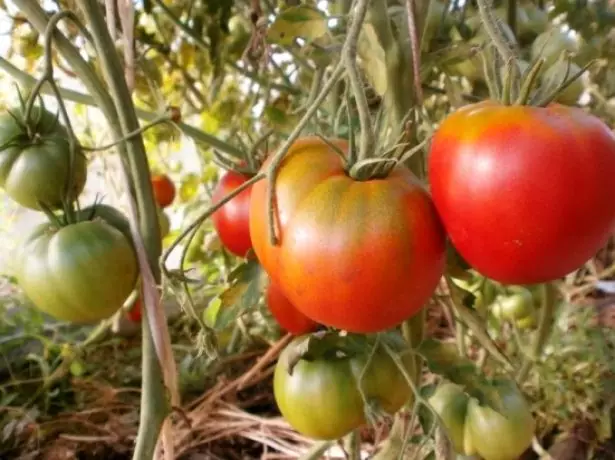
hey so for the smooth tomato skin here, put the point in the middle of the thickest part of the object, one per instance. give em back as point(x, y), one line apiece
point(37, 170)
point(80, 273)
point(451, 404)
point(359, 256)
point(231, 221)
point(525, 193)
point(321, 398)
point(164, 189)
point(505, 435)
point(287, 316)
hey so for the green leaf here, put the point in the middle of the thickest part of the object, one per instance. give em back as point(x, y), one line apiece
point(295, 22)
point(247, 284)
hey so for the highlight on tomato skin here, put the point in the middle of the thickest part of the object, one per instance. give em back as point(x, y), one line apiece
point(231, 221)
point(288, 317)
point(525, 193)
point(164, 190)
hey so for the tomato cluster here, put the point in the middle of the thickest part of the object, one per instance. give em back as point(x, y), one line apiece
point(79, 266)
point(323, 397)
point(476, 428)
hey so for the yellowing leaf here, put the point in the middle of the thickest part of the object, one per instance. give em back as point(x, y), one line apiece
point(297, 22)
point(189, 187)
point(372, 59)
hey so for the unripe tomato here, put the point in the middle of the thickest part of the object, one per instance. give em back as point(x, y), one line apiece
point(500, 178)
point(321, 398)
point(450, 402)
point(80, 273)
point(164, 190)
point(550, 45)
point(514, 307)
point(287, 316)
point(231, 221)
point(505, 435)
point(356, 255)
point(35, 168)
point(163, 222)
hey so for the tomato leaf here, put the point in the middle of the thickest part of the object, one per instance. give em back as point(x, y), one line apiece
point(189, 187)
point(247, 284)
point(372, 57)
point(476, 325)
point(295, 22)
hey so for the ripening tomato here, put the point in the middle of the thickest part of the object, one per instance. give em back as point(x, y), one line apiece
point(81, 273)
point(356, 255)
point(134, 314)
point(287, 316)
point(525, 193)
point(164, 189)
point(231, 221)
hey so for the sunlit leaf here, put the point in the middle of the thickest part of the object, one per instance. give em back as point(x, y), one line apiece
point(297, 22)
point(189, 187)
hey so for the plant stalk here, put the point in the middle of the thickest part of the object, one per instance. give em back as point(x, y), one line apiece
point(545, 326)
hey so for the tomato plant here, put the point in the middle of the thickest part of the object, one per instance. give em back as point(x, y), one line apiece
point(164, 190)
point(487, 167)
point(357, 255)
point(287, 316)
point(476, 428)
point(321, 398)
point(81, 272)
point(231, 221)
point(34, 167)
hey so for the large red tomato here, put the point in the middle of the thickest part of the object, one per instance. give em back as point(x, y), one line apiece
point(357, 255)
point(231, 220)
point(285, 313)
point(525, 193)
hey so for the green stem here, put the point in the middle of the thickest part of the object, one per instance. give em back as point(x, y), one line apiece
point(352, 445)
point(80, 98)
point(545, 326)
point(154, 404)
point(500, 40)
point(317, 451)
point(367, 141)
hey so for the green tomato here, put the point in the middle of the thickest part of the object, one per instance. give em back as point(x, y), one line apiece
point(110, 215)
point(500, 436)
point(163, 222)
point(34, 167)
point(514, 307)
point(551, 44)
point(553, 77)
point(450, 402)
point(321, 399)
point(80, 273)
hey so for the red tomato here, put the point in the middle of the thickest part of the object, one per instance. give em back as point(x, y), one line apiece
point(134, 314)
point(164, 190)
point(356, 255)
point(525, 193)
point(231, 220)
point(287, 316)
